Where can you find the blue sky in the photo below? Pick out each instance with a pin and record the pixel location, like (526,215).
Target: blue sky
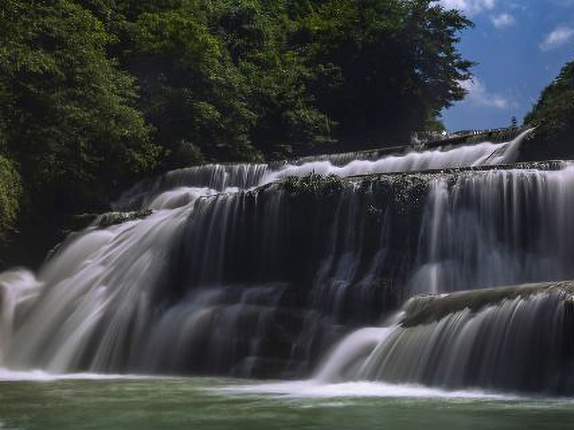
(520,46)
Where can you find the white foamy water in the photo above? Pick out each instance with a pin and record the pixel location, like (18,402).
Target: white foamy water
(510,339)
(315,389)
(482,154)
(16,287)
(8,375)
(179,186)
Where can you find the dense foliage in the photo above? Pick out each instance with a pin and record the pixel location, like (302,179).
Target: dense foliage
(383,68)
(65,104)
(10,190)
(96,93)
(246,79)
(553,114)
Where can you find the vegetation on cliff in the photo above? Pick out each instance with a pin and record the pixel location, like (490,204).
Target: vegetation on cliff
(553,114)
(10,191)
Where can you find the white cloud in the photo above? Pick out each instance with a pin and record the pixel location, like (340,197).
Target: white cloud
(470,7)
(557,37)
(478,95)
(503,20)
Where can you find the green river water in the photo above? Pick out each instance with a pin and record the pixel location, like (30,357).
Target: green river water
(196,403)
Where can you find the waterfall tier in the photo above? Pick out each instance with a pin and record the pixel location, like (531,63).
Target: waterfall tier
(233,177)
(513,338)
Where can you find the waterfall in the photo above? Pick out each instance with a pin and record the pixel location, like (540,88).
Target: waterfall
(178,183)
(500,227)
(235,177)
(16,286)
(483,154)
(515,339)
(254,270)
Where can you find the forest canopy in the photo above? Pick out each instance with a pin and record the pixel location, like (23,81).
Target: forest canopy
(94,94)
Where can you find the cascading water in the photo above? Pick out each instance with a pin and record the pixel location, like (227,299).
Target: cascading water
(516,338)
(245,270)
(246,176)
(16,287)
(483,154)
(175,186)
(500,227)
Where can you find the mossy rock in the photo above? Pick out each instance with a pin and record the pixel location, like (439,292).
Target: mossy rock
(108,219)
(425,309)
(314,185)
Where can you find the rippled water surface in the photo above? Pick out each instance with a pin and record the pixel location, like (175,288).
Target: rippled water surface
(43,402)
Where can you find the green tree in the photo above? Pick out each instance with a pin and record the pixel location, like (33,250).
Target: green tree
(66,111)
(384,67)
(219,77)
(247,79)
(258,38)
(553,115)
(69,125)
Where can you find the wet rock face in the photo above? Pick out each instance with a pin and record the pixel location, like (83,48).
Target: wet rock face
(426,309)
